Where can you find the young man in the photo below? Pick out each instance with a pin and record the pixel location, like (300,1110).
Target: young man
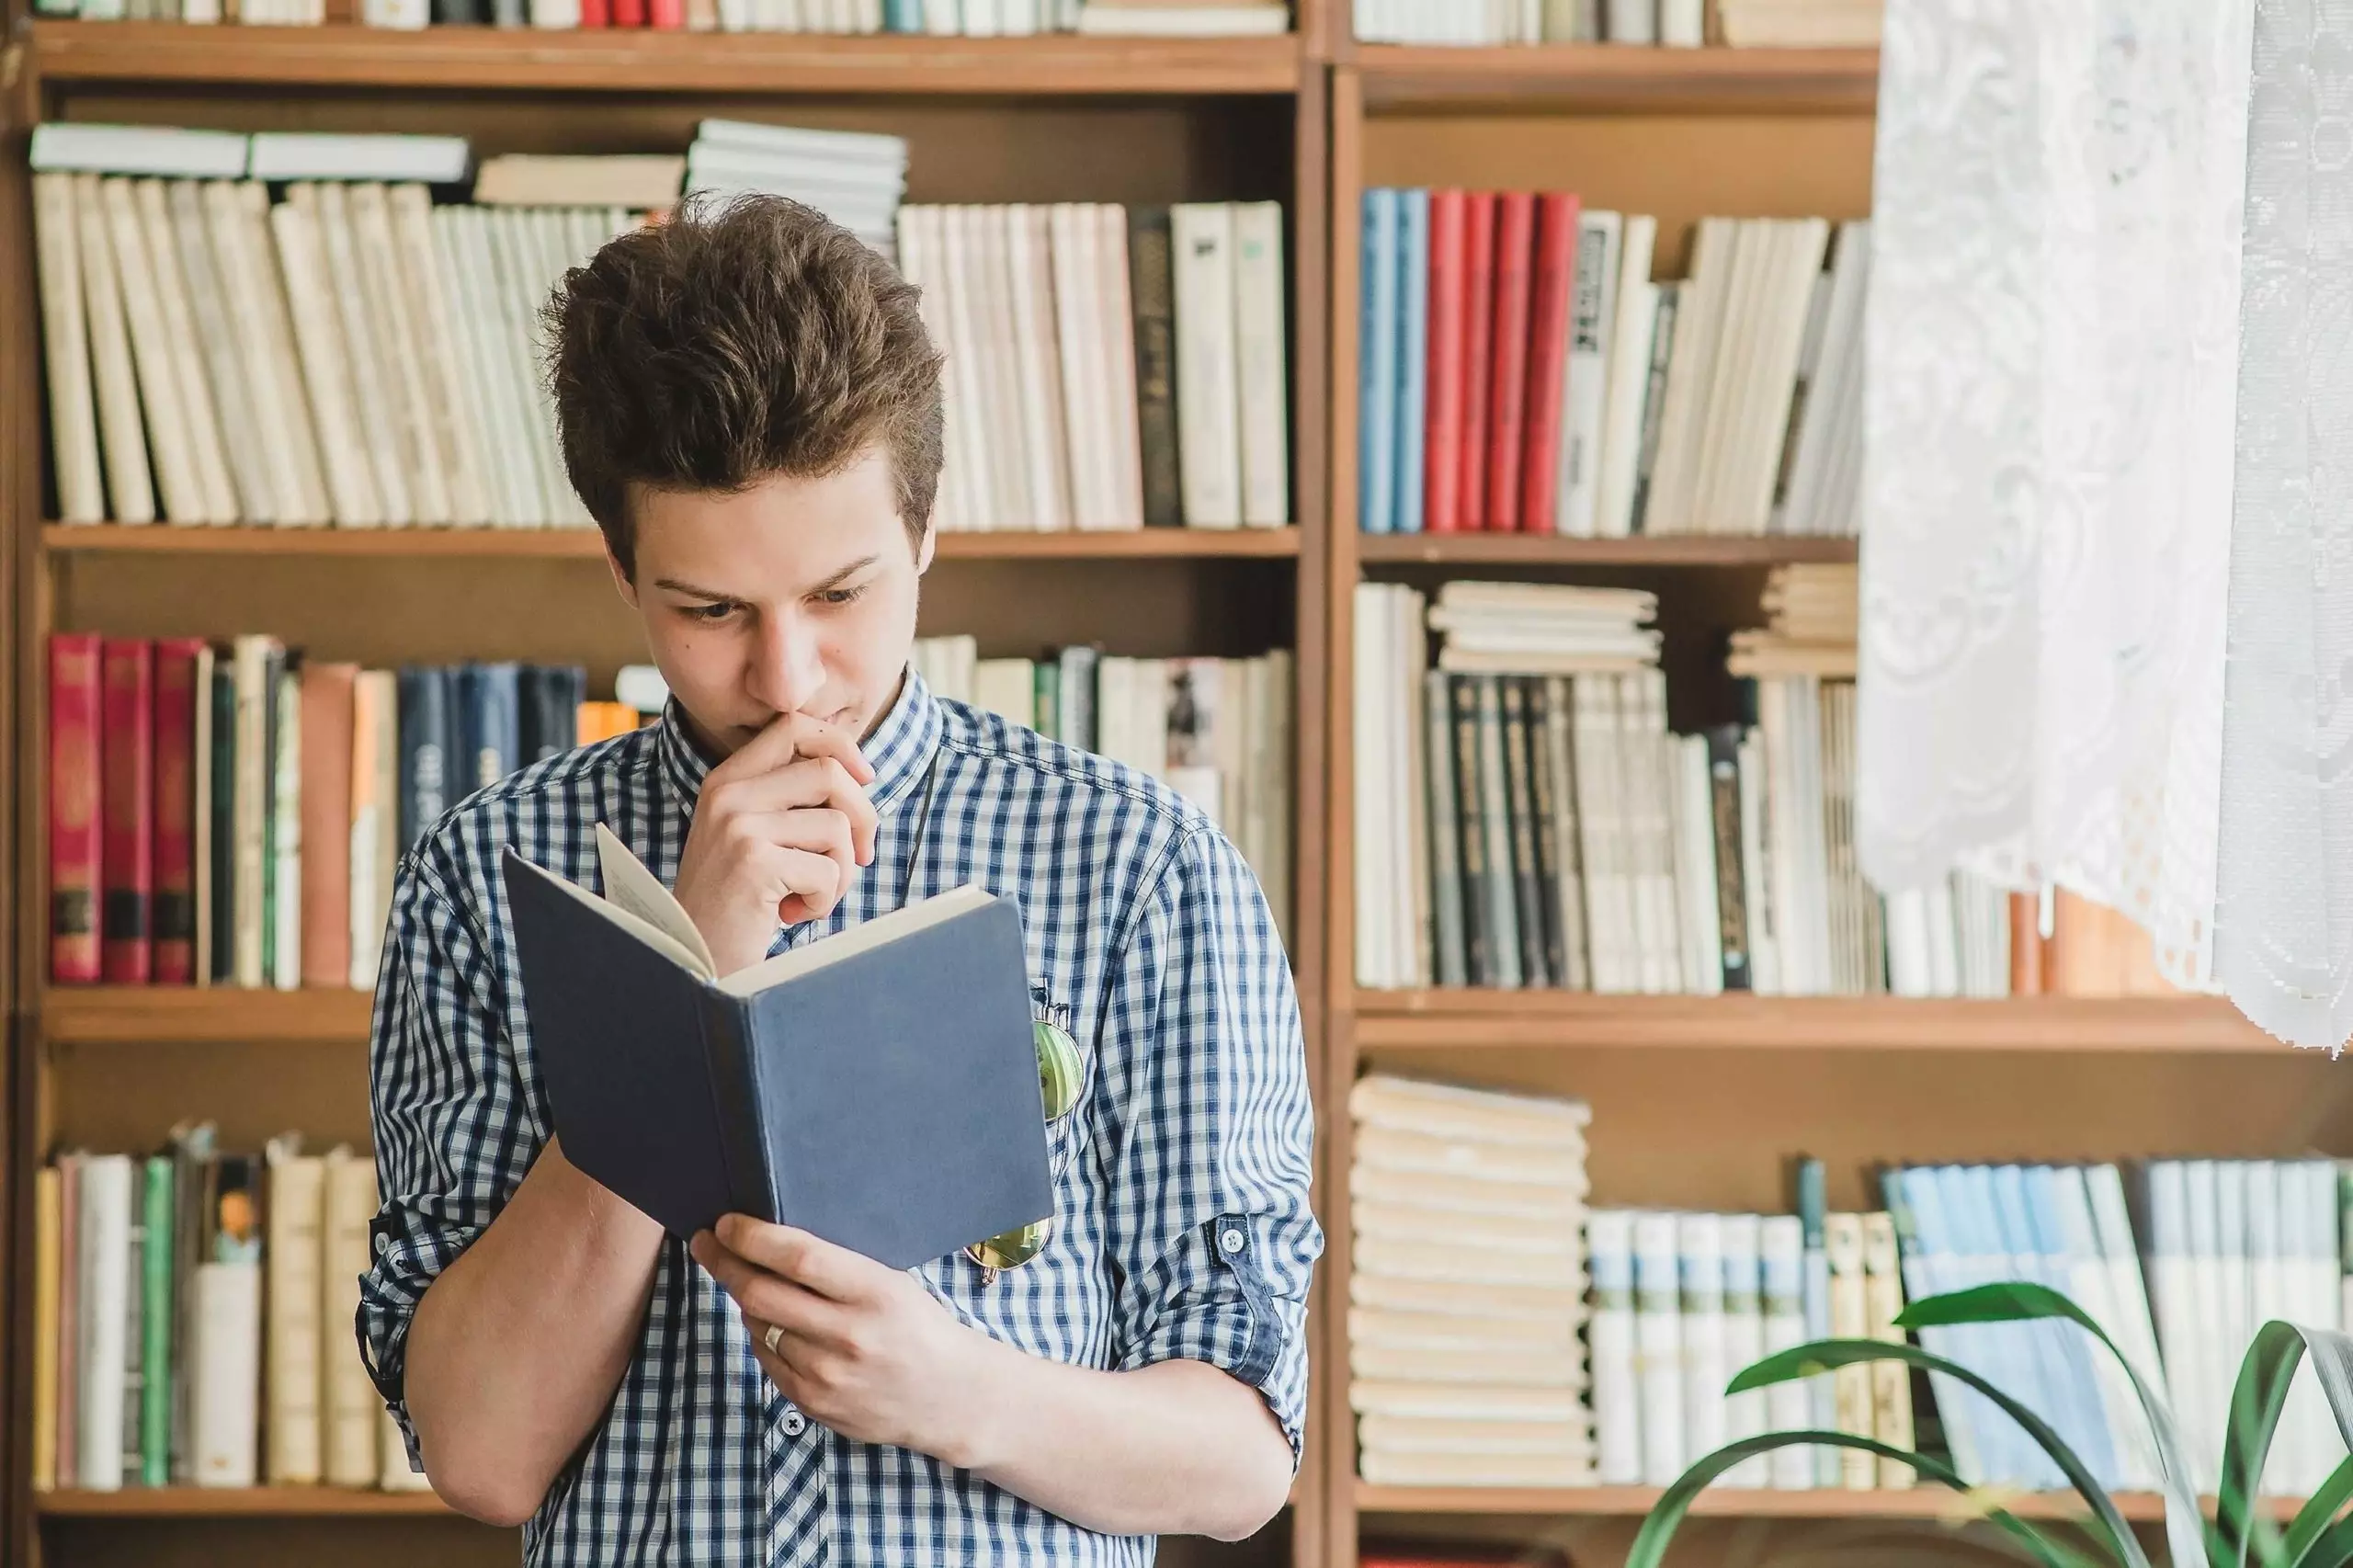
(750,411)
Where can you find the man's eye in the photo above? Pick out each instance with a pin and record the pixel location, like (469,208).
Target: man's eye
(711,612)
(841,596)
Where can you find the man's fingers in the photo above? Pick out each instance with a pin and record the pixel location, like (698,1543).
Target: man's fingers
(811,782)
(816,883)
(812,1262)
(789,735)
(762,1295)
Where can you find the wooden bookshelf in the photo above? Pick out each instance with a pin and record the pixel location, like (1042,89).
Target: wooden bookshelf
(1552,550)
(458,59)
(243,1503)
(123,1015)
(585,544)
(1923,1502)
(1588,78)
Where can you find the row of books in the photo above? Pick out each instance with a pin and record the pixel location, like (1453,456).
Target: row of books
(233,816)
(948,18)
(1676,24)
(1519,371)
(1107,366)
(193,1312)
(1218,731)
(1466,1292)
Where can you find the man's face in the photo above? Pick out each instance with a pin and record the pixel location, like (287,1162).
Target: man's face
(797,595)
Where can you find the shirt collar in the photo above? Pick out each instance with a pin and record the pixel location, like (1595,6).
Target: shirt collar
(899,749)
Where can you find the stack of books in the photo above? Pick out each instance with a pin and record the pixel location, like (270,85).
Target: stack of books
(248,804)
(1184,18)
(1468,1290)
(1107,366)
(1520,371)
(1216,731)
(855,177)
(192,1320)
(1676,23)
(1798,23)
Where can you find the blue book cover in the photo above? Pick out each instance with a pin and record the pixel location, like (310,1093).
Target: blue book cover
(1413,354)
(1377,366)
(877,1087)
(2076,1408)
(1935,1197)
(1821,1390)
(427,750)
(903,15)
(489,721)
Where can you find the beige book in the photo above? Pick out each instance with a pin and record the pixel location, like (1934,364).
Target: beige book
(403,357)
(233,405)
(1017,499)
(1386,1148)
(1440,1435)
(1690,370)
(1115,343)
(169,436)
(1261,355)
(1068,236)
(1716,429)
(326,375)
(65,346)
(1454,1111)
(1891,1380)
(1464,1331)
(1379,1468)
(1525,1369)
(1421,1259)
(1407,1223)
(1556,1202)
(534,180)
(199,416)
(1208,390)
(369,381)
(910,235)
(504,288)
(250,656)
(275,308)
(1390,1293)
(1269,742)
(291,1260)
(451,397)
(123,438)
(1036,362)
(1842,1237)
(1470,1402)
(246,266)
(371,814)
(49,1243)
(350,1416)
(224,1373)
(546,251)
(940,244)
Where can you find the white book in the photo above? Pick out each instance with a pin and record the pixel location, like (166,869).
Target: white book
(1658,1348)
(453,397)
(1631,21)
(405,360)
(168,434)
(463,270)
(1615,959)
(237,215)
(1744,1413)
(351,1412)
(292,1263)
(1757,863)
(1035,363)
(1114,341)
(224,1373)
(1891,1380)
(1746,501)
(1781,1265)
(236,407)
(1375,877)
(370,381)
(1209,394)
(1842,1240)
(1706,1367)
(2090,1282)
(2270,1230)
(1407,731)
(66,343)
(1617,1390)
(280,156)
(1682,24)
(1067,232)
(65,146)
(1260,357)
(1628,364)
(1696,884)
(1593,314)
(2322,1307)
(350,481)
(1691,377)
(1000,364)
(967,394)
(1813,505)
(102,1310)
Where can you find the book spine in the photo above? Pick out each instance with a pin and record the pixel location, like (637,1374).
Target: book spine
(175,798)
(1527,891)
(155,1325)
(128,752)
(731,1066)
(1478,351)
(1376,366)
(1413,354)
(75,818)
(223,848)
(1470,798)
(1442,436)
(1547,351)
(1732,909)
(1515,245)
(1152,284)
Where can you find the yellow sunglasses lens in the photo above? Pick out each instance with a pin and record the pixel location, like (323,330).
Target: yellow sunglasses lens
(1061,1075)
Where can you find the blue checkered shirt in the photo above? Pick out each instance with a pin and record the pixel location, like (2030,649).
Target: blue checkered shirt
(1183,1226)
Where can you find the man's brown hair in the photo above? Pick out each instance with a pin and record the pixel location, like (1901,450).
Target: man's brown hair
(730,343)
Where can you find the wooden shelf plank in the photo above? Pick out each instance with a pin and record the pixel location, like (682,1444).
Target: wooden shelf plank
(120,1015)
(1435,1020)
(1619,77)
(1933,1502)
(640,61)
(256,1502)
(1128,544)
(1552,550)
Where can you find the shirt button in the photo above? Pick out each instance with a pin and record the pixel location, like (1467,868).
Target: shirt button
(1231,1241)
(795,1424)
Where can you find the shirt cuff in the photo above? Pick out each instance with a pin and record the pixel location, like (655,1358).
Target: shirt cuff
(408,1251)
(1210,1299)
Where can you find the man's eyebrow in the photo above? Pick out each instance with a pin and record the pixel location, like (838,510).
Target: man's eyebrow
(845,575)
(677,585)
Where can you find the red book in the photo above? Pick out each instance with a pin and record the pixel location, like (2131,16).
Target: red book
(74,818)
(1442,416)
(628,13)
(1515,243)
(176,766)
(1479,324)
(670,15)
(596,13)
(127,704)
(1551,288)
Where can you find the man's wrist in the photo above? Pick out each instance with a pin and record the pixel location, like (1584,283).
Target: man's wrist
(983,1404)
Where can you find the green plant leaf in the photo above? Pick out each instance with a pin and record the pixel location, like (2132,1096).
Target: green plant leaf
(1667,1514)
(1828,1354)
(2315,1517)
(2331,1546)
(2266,1375)
(2188,1536)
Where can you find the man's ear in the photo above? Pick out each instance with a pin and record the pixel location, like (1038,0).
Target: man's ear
(924,551)
(620,577)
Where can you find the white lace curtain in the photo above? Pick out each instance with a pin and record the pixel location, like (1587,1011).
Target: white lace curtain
(2108,495)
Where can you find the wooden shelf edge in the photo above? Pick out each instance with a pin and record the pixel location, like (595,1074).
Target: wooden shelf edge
(587,544)
(640,61)
(1619,76)
(1438,1020)
(1534,550)
(123,1015)
(257,1502)
(1926,1503)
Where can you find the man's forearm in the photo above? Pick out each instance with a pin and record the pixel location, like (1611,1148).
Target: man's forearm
(1178,1448)
(517,1347)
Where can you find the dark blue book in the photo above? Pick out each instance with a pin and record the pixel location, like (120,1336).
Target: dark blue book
(877,1087)
(426,748)
(488,713)
(550,717)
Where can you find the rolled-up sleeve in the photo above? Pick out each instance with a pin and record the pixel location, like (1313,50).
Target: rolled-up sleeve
(1209,1132)
(454,1133)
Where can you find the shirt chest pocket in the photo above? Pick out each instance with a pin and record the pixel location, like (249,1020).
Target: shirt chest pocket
(1065,1083)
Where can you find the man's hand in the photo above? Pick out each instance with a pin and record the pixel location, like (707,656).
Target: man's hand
(863,1347)
(778,835)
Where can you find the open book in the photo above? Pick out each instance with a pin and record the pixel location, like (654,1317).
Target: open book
(878,1086)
